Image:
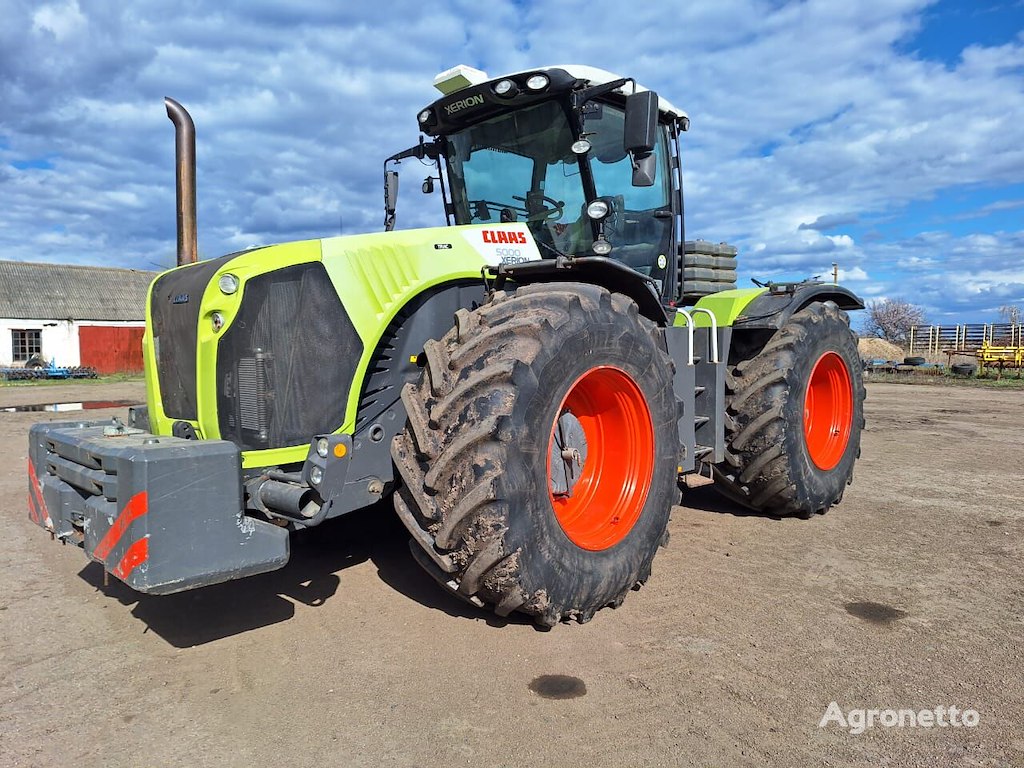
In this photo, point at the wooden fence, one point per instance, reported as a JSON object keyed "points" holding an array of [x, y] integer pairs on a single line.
{"points": [[935, 339]]}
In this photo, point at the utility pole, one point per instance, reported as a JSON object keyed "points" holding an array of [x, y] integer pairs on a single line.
{"points": [[835, 273]]}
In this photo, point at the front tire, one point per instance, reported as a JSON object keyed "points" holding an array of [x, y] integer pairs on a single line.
{"points": [[538, 461], [795, 411]]}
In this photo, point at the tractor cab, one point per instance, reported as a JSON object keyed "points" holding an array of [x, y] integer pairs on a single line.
{"points": [[586, 159]]}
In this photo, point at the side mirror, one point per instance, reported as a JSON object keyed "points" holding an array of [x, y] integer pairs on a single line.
{"points": [[390, 199], [645, 169], [641, 129], [640, 135], [428, 185]]}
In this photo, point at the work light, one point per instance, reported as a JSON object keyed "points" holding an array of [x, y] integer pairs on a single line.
{"points": [[537, 82]]}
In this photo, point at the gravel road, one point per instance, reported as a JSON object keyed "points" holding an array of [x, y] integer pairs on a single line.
{"points": [[907, 596]]}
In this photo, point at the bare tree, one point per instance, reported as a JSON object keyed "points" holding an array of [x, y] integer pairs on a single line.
{"points": [[892, 319], [1011, 314]]}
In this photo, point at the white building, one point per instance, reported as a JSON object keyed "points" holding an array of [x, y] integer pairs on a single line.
{"points": [[73, 315]]}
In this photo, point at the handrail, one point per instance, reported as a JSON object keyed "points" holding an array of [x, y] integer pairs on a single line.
{"points": [[689, 330], [713, 332]]}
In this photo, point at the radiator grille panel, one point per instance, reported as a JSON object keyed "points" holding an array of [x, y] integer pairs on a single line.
{"points": [[285, 366]]}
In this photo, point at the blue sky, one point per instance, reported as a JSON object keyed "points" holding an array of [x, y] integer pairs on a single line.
{"points": [[884, 135]]}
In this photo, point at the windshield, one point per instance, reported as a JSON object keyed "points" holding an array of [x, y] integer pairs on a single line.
{"points": [[519, 167]]}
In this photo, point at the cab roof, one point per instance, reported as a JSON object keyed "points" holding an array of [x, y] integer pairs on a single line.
{"points": [[462, 76]]}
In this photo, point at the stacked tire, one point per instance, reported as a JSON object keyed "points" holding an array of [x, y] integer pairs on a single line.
{"points": [[708, 268]]}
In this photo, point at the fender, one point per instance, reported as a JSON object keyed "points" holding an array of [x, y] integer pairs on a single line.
{"points": [[597, 270], [773, 308], [768, 308], [396, 359]]}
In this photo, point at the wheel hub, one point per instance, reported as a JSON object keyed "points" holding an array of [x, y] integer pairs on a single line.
{"points": [[568, 454]]}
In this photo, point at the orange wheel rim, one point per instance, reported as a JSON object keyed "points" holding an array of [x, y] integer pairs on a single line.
{"points": [[828, 411], [600, 458]]}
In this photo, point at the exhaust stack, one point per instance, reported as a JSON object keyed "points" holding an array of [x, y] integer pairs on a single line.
{"points": [[185, 180]]}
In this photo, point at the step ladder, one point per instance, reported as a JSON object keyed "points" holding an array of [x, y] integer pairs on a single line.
{"points": [[699, 386]]}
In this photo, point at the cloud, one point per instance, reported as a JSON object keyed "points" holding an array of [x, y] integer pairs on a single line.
{"points": [[830, 221], [985, 210], [818, 134], [61, 21]]}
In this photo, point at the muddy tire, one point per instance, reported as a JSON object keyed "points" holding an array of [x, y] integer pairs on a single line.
{"points": [[795, 411], [539, 460]]}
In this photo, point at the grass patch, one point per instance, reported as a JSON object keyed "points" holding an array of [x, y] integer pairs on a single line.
{"points": [[947, 380]]}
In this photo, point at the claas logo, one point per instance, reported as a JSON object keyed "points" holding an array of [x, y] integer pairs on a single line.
{"points": [[503, 236]]}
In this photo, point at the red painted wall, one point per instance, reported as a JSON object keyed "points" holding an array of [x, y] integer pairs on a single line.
{"points": [[111, 349]]}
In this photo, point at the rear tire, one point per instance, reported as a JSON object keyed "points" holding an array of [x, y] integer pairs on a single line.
{"points": [[789, 452], [480, 456]]}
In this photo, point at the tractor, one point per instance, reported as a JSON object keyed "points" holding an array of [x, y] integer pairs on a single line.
{"points": [[534, 384]]}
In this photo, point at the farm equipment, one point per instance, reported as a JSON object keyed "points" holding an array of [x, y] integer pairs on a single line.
{"points": [[44, 370], [999, 357], [533, 383]]}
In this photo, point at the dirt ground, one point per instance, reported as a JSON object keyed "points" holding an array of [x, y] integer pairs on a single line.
{"points": [[908, 595]]}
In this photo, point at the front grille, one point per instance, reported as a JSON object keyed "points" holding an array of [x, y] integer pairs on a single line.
{"points": [[174, 308], [253, 388], [285, 366]]}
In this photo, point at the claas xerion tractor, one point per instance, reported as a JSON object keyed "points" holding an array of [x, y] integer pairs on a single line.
{"points": [[533, 383]]}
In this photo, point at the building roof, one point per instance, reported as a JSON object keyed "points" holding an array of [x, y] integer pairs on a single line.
{"points": [[36, 291]]}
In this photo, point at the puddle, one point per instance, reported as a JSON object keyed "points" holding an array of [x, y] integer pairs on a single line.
{"points": [[558, 687], [85, 405], [875, 613], [994, 523]]}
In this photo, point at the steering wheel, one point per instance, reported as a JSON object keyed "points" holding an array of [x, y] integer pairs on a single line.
{"points": [[544, 214]]}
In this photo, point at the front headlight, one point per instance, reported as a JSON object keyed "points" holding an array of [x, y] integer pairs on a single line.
{"points": [[598, 209], [228, 284]]}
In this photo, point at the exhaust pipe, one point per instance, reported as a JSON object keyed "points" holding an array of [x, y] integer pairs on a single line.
{"points": [[185, 180], [286, 500]]}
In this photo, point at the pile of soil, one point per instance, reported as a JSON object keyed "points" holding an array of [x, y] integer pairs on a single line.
{"points": [[879, 349]]}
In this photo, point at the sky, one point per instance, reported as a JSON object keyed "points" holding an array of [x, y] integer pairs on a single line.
{"points": [[886, 136]]}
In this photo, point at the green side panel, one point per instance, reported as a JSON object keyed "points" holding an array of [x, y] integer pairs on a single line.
{"points": [[726, 306], [377, 274], [159, 424]]}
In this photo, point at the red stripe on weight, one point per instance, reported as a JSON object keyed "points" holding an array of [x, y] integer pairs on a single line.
{"points": [[137, 506], [136, 555]]}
